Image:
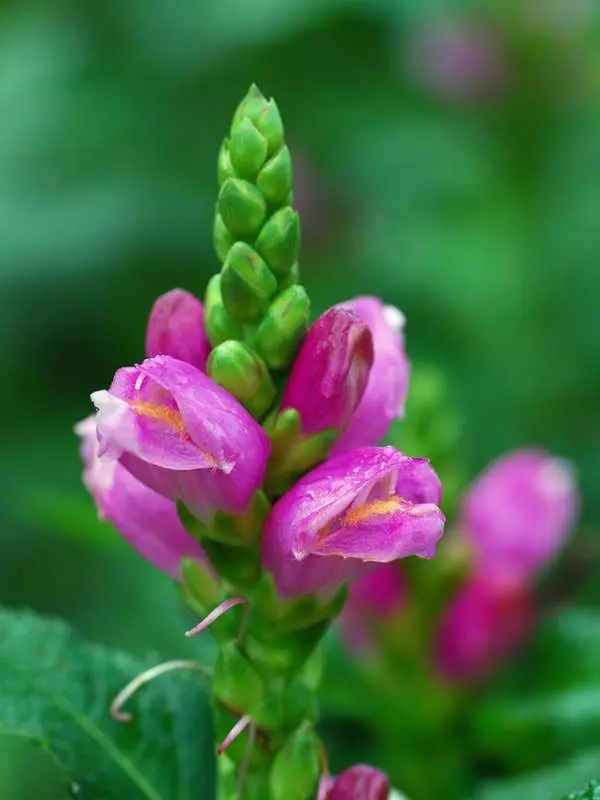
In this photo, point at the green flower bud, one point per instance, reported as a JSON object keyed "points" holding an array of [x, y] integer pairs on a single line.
{"points": [[222, 238], [292, 278], [236, 368], [242, 207], [295, 771], [247, 284], [224, 168], [265, 116], [219, 325], [283, 328], [239, 566], [279, 240], [247, 149], [275, 178], [235, 681]]}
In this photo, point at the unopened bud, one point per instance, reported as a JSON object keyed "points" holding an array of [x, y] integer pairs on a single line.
{"points": [[242, 207], [279, 240], [224, 168], [275, 178], [265, 116], [220, 326], [247, 283], [247, 149], [222, 238], [295, 771], [235, 681], [281, 331], [236, 368]]}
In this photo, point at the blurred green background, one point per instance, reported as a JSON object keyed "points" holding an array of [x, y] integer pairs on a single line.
{"points": [[447, 157]]}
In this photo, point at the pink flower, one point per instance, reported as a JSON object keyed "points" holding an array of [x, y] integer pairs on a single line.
{"points": [[487, 620], [461, 61], [182, 435], [372, 599], [176, 328], [385, 395], [360, 782], [369, 506], [330, 373], [517, 514], [148, 521]]}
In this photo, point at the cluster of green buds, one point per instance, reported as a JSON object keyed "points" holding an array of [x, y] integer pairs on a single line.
{"points": [[256, 313]]}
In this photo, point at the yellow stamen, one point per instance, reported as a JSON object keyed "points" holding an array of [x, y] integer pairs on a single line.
{"points": [[170, 416], [374, 509]]}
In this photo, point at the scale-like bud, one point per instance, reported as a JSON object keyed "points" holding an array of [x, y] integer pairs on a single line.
{"points": [[247, 149], [281, 331], [279, 240], [265, 116], [219, 325], [242, 207], [236, 368], [247, 284], [222, 238], [275, 178]]}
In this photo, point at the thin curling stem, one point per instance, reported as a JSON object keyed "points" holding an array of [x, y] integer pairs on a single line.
{"points": [[147, 676], [239, 787], [238, 728], [218, 612]]}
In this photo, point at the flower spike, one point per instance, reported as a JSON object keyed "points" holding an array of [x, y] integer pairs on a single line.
{"points": [[145, 677], [217, 612]]}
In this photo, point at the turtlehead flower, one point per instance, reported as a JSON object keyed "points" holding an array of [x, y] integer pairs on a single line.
{"points": [[369, 506], [360, 782], [182, 435], [374, 598], [518, 513], [176, 328], [488, 619], [330, 373], [148, 521], [385, 395], [459, 60]]}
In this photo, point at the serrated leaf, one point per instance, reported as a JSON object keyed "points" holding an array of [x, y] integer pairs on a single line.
{"points": [[56, 691]]}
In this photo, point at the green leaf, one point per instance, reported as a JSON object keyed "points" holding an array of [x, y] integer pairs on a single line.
{"points": [[56, 691], [589, 792]]}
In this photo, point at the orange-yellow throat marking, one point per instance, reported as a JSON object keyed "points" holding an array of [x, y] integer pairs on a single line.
{"points": [[374, 509], [170, 416]]}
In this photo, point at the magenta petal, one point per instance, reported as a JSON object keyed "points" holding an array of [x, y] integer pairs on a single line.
{"points": [[345, 516], [387, 387], [331, 371], [487, 620], [518, 513], [176, 328], [372, 598], [148, 521], [182, 435], [360, 782]]}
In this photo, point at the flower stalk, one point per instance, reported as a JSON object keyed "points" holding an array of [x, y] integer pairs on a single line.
{"points": [[240, 458]]}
